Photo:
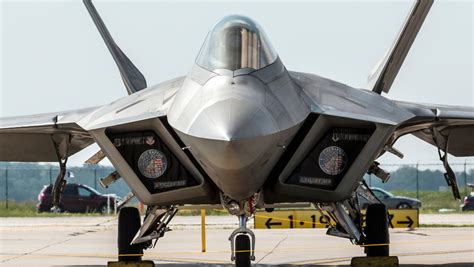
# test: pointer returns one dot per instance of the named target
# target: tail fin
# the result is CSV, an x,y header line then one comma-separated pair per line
x,y
387,69
132,78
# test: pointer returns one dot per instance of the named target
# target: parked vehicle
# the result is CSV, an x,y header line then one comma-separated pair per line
x,y
468,203
391,201
76,198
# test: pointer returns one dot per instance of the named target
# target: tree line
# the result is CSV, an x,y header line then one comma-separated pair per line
x,y
25,180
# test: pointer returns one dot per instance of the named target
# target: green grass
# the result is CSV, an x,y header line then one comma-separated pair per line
x,y
28,209
196,212
432,201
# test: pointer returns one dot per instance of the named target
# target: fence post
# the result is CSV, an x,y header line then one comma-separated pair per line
x,y
6,187
108,204
417,182
465,178
95,178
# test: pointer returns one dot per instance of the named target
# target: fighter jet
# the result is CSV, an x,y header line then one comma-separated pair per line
x,y
242,131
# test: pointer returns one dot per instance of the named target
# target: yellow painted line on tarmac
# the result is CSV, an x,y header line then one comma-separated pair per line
x,y
148,256
434,253
74,255
398,255
174,259
130,255
306,248
322,261
158,256
192,260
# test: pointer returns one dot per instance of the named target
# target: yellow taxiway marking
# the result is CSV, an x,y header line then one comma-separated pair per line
x,y
130,255
174,259
292,249
304,218
397,254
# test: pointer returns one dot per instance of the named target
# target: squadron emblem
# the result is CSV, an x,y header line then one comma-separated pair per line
x,y
332,160
152,163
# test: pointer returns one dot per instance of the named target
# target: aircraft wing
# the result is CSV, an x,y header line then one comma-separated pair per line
x,y
32,138
451,128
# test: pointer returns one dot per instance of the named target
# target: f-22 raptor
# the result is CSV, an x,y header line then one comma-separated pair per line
x,y
242,131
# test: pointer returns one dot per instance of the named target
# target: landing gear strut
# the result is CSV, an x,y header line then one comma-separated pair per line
x,y
376,233
129,253
242,239
374,236
133,237
242,244
61,145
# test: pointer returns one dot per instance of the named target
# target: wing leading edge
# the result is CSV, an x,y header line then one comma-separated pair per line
x,y
36,138
449,128
41,137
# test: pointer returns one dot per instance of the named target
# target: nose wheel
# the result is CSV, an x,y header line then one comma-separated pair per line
x,y
242,243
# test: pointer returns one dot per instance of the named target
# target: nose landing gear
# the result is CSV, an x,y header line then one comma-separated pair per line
x,y
242,244
242,239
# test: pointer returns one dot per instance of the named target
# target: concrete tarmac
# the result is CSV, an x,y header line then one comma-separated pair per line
x,y
72,241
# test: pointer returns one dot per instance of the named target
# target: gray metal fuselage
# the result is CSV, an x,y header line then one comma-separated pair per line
x,y
237,124
248,132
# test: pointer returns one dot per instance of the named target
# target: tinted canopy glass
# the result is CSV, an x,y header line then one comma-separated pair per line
x,y
236,42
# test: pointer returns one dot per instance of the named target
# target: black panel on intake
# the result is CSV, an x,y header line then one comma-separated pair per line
x,y
329,160
140,150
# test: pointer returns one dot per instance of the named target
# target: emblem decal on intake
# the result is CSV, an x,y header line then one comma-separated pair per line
x,y
332,160
152,163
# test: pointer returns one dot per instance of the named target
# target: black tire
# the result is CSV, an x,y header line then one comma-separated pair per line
x,y
60,209
242,251
128,225
103,209
403,205
376,230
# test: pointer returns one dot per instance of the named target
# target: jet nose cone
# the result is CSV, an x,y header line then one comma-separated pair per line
x,y
238,166
236,128
233,119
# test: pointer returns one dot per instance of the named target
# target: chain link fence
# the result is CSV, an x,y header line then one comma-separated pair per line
x,y
418,177
22,182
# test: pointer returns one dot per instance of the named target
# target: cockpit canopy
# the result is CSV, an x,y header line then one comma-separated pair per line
x,y
236,42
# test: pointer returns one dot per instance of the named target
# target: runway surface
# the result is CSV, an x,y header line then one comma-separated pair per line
x,y
68,241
